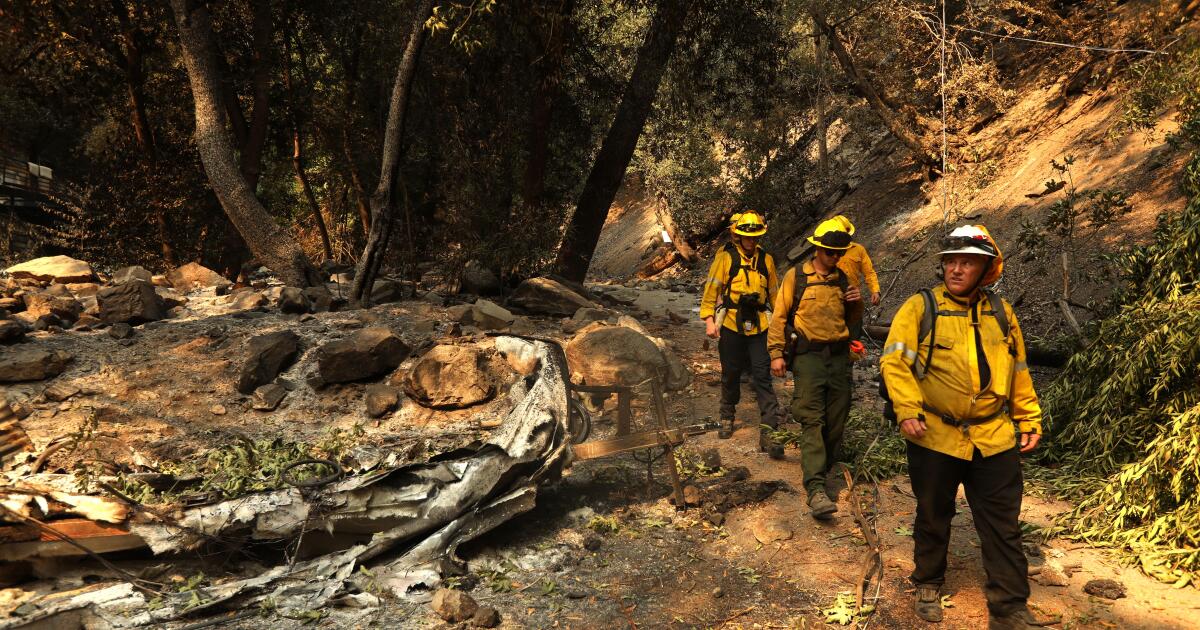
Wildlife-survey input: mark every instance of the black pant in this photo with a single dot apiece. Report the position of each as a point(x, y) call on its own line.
point(740, 353)
point(994, 486)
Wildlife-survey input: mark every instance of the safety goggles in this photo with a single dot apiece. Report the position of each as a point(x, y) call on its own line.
point(750, 227)
point(975, 242)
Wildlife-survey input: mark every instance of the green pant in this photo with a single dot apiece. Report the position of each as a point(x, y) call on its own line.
point(821, 405)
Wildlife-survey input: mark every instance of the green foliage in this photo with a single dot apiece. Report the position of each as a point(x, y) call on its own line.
point(876, 450)
point(1124, 416)
point(1157, 83)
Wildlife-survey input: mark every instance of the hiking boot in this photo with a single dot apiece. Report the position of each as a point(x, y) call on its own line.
point(725, 430)
point(1020, 620)
point(821, 506)
point(928, 603)
point(768, 445)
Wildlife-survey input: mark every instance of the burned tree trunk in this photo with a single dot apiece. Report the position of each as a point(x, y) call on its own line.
point(575, 253)
point(266, 240)
point(298, 155)
point(383, 201)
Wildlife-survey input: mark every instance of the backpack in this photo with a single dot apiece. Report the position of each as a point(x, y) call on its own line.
point(735, 266)
point(791, 336)
point(926, 330)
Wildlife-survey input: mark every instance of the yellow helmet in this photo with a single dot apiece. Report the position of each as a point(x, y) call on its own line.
point(831, 234)
point(846, 224)
point(748, 223)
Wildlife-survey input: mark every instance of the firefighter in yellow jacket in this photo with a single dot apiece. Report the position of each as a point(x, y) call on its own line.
point(955, 374)
point(740, 289)
point(857, 264)
point(812, 321)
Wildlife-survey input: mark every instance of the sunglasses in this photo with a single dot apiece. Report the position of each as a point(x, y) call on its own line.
point(836, 253)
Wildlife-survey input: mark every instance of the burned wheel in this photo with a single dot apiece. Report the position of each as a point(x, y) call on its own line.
point(579, 421)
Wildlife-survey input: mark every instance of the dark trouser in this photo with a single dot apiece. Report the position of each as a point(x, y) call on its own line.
point(821, 405)
point(994, 487)
point(740, 353)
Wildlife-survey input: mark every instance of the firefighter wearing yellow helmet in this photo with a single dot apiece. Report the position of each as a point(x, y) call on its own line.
point(810, 334)
point(955, 373)
point(857, 264)
point(741, 286)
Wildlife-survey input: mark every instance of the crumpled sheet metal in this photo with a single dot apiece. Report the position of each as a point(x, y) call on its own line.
point(432, 507)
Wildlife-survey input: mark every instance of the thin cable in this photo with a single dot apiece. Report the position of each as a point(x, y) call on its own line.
point(1050, 43)
point(945, 205)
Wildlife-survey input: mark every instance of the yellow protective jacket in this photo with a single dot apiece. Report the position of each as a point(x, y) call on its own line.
point(857, 264)
point(748, 280)
point(952, 381)
point(820, 315)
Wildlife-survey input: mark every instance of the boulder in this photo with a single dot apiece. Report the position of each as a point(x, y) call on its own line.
point(319, 298)
point(269, 355)
point(268, 397)
point(678, 376)
point(87, 322)
point(11, 330)
point(25, 363)
point(247, 300)
point(614, 355)
point(12, 304)
point(479, 280)
point(120, 331)
point(82, 289)
point(485, 617)
point(523, 326)
point(61, 269)
point(381, 399)
point(548, 297)
point(1106, 588)
point(450, 377)
point(134, 302)
point(453, 606)
point(196, 276)
point(384, 291)
point(584, 316)
point(125, 274)
point(293, 300)
point(65, 308)
point(367, 353)
point(487, 315)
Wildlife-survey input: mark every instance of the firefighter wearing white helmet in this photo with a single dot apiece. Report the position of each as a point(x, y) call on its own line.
point(959, 388)
point(737, 297)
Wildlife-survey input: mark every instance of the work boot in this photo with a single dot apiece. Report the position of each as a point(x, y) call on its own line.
point(821, 506)
point(725, 430)
point(928, 603)
point(1020, 620)
point(768, 445)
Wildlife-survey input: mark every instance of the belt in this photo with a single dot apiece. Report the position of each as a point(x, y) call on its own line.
point(963, 422)
point(825, 348)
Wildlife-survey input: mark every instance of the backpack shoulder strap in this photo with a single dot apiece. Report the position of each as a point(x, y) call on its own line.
point(735, 265)
point(843, 281)
point(928, 326)
point(998, 311)
point(799, 286)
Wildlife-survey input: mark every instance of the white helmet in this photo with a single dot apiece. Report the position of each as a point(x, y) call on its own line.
point(970, 239)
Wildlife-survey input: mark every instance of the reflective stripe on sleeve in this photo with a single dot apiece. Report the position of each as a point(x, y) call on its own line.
point(911, 355)
point(1021, 366)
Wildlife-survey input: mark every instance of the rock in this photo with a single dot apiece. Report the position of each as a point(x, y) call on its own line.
point(423, 326)
point(434, 298)
point(523, 326)
point(11, 330)
point(87, 322)
point(461, 313)
point(592, 542)
point(60, 269)
point(385, 291)
point(450, 377)
point(631, 323)
point(584, 316)
point(521, 355)
point(490, 316)
point(678, 376)
point(82, 289)
point(247, 300)
point(1108, 589)
point(160, 280)
point(59, 392)
point(169, 297)
point(120, 330)
point(1053, 574)
point(269, 355)
point(691, 495)
point(24, 363)
point(453, 605)
point(320, 299)
point(367, 353)
point(548, 297)
point(613, 355)
point(381, 399)
point(12, 304)
point(485, 617)
point(125, 274)
point(268, 397)
point(49, 321)
point(711, 458)
point(479, 280)
point(134, 302)
point(718, 593)
point(196, 276)
point(217, 410)
point(65, 308)
point(769, 531)
point(293, 300)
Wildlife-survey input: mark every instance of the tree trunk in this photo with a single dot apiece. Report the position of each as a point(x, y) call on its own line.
point(298, 152)
point(360, 192)
point(256, 132)
point(822, 131)
point(275, 249)
point(383, 201)
point(575, 253)
point(885, 113)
